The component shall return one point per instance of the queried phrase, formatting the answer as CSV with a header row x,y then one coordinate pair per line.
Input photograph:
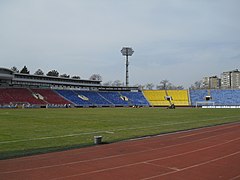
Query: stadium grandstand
x,y
25,90
215,97
167,97
17,89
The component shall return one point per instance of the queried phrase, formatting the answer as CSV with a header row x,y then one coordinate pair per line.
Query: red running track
x,y
207,153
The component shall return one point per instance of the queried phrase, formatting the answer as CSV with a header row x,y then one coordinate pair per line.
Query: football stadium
x,y
119,90
60,128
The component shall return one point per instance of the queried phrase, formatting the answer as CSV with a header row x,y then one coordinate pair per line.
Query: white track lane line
x,y
193,166
108,157
236,177
167,157
55,137
233,125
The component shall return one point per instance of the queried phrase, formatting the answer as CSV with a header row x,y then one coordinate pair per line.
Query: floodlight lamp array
x,y
127,51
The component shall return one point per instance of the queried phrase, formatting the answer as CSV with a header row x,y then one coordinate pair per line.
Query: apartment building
x,y
212,82
230,79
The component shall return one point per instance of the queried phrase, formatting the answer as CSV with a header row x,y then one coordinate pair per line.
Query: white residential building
x,y
230,79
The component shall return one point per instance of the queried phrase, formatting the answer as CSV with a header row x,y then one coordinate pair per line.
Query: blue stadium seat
x,y
104,98
226,97
115,98
95,98
74,98
136,98
198,96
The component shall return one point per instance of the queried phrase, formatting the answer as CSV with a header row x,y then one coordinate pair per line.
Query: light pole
x,y
127,51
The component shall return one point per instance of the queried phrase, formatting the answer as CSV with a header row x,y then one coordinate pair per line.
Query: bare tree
x,y
197,85
15,69
164,84
149,86
109,83
176,87
96,77
141,87
179,87
117,83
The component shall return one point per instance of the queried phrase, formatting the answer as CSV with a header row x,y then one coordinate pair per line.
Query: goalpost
x,y
204,103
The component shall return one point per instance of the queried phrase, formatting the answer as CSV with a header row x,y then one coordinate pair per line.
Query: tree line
x,y
167,85
163,85
54,73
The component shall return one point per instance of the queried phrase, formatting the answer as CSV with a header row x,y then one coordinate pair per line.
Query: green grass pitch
x,y
32,131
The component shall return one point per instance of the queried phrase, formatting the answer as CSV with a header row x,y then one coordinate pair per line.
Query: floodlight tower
x,y
127,51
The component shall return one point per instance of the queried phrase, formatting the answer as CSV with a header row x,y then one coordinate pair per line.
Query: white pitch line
x,y
169,124
54,137
121,155
110,131
198,133
179,132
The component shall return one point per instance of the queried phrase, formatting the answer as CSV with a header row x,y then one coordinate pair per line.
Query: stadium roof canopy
x,y
8,78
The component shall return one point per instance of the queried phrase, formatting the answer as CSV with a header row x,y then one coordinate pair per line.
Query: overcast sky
x,y
178,40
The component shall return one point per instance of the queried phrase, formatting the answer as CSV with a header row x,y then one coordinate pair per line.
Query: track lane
x,y
133,155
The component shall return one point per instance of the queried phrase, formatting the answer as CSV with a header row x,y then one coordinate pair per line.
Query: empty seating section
x,y
136,98
5,98
179,97
50,96
18,95
157,97
198,96
95,98
116,98
226,97
104,98
74,97
219,97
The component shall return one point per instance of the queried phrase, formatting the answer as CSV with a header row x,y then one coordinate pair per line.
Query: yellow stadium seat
x,y
157,97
